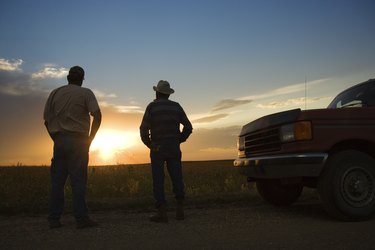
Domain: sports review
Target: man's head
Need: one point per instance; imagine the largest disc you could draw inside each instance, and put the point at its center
(163, 89)
(76, 75)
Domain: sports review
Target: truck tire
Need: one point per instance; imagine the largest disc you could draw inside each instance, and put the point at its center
(347, 185)
(274, 192)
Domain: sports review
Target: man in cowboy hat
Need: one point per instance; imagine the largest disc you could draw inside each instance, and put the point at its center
(160, 131)
(67, 118)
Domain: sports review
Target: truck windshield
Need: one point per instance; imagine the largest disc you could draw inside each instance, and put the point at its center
(362, 95)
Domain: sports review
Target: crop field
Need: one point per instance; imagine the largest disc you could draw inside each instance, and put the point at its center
(25, 189)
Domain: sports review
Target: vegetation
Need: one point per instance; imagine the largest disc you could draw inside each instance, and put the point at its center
(25, 189)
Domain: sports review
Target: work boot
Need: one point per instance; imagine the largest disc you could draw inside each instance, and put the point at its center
(54, 224)
(161, 215)
(86, 222)
(180, 210)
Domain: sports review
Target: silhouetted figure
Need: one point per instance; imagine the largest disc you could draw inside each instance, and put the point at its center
(67, 119)
(160, 131)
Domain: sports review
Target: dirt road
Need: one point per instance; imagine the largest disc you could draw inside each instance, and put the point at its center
(232, 226)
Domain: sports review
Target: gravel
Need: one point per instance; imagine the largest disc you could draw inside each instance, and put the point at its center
(304, 225)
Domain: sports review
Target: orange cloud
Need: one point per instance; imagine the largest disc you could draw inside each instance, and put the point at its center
(209, 119)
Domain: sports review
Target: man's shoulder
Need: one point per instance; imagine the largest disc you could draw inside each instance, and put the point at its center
(163, 103)
(72, 88)
(86, 90)
(58, 88)
(173, 103)
(76, 91)
(88, 93)
(164, 106)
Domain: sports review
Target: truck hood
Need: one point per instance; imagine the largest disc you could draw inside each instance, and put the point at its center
(271, 121)
(322, 116)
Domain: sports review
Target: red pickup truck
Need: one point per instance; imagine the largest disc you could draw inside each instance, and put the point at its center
(330, 149)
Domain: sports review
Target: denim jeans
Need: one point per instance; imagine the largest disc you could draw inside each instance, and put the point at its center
(167, 151)
(70, 159)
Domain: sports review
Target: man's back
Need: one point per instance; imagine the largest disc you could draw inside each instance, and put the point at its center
(165, 119)
(68, 108)
(162, 120)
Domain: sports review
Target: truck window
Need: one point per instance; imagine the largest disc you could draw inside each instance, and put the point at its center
(360, 96)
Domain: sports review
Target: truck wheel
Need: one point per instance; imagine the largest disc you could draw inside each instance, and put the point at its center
(347, 185)
(277, 194)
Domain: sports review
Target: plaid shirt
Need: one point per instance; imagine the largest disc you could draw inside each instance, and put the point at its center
(162, 120)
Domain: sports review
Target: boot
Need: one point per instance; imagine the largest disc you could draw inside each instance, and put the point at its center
(86, 222)
(180, 210)
(161, 215)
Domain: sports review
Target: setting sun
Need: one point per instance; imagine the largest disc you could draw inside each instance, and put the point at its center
(110, 142)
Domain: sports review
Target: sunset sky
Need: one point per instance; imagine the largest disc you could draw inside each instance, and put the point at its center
(229, 62)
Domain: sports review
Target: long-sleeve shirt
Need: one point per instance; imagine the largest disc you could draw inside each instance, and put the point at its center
(162, 120)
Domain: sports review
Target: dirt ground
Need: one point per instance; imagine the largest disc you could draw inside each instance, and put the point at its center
(305, 225)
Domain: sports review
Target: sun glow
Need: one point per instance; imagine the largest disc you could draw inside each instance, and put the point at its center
(108, 143)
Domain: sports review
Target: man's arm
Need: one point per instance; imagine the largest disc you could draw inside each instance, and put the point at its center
(145, 128)
(95, 125)
(50, 134)
(145, 134)
(187, 129)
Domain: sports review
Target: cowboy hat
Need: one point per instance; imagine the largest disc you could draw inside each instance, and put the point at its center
(164, 87)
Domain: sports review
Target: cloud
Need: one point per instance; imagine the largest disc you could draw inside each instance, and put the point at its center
(17, 90)
(229, 103)
(129, 109)
(114, 119)
(8, 65)
(293, 88)
(209, 119)
(212, 143)
(16, 83)
(215, 137)
(220, 151)
(291, 102)
(125, 109)
(101, 95)
(50, 72)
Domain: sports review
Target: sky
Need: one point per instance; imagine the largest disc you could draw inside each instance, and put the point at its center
(229, 62)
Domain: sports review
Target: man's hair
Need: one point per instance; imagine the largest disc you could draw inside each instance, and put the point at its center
(76, 75)
(161, 95)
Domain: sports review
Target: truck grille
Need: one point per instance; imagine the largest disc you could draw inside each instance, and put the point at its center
(267, 140)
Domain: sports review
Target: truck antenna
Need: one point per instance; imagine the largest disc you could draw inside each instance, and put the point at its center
(305, 92)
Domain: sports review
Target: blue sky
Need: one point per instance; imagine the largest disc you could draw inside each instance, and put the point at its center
(229, 61)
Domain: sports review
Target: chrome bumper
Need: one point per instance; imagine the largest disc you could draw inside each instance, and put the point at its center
(282, 166)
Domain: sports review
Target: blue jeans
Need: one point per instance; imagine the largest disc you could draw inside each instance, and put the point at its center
(70, 159)
(167, 151)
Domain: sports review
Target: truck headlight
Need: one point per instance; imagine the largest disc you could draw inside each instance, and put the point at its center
(298, 131)
(241, 143)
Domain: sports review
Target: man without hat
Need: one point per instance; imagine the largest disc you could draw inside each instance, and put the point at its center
(160, 131)
(67, 119)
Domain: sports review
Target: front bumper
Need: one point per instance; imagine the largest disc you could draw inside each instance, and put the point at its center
(282, 166)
